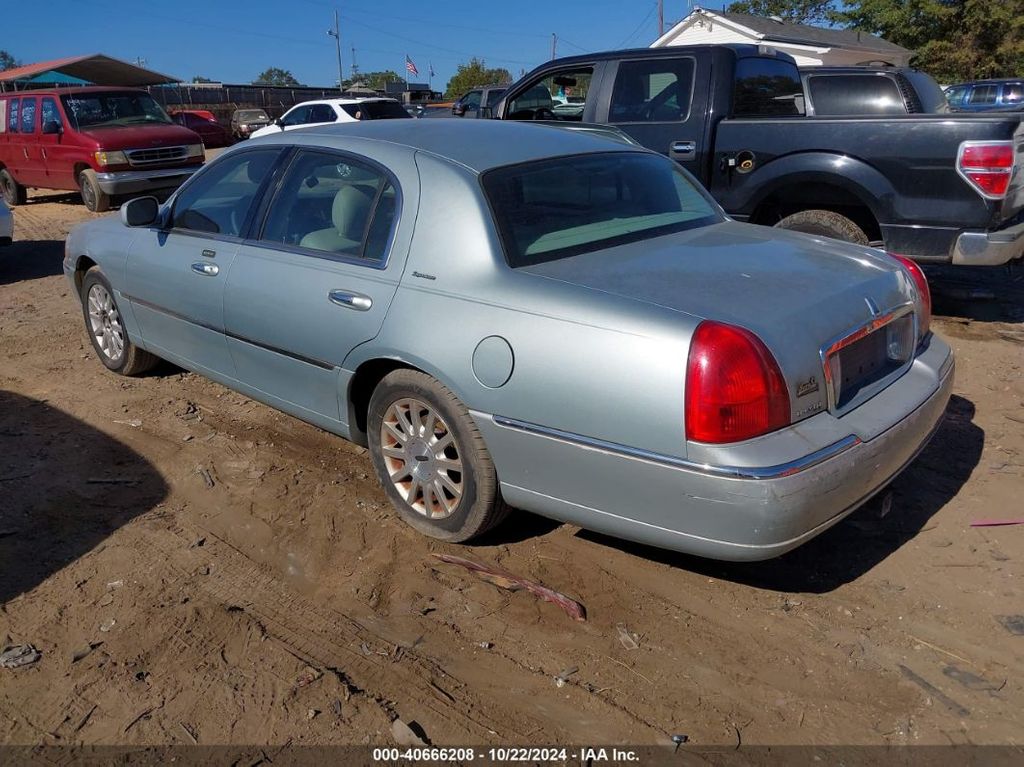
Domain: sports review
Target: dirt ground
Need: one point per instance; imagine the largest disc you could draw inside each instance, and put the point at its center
(196, 567)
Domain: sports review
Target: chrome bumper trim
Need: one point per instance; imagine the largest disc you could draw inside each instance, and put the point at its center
(731, 472)
(989, 248)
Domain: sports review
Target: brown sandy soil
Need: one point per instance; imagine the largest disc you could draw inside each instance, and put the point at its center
(288, 604)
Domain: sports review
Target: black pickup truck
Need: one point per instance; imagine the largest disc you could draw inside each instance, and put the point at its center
(943, 188)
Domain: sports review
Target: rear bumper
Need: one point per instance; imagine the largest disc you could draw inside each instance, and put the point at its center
(989, 248)
(135, 181)
(747, 511)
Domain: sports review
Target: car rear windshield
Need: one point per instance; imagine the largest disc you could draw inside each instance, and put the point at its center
(376, 110)
(102, 110)
(551, 209)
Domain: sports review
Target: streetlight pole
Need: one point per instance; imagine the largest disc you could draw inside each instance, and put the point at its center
(336, 34)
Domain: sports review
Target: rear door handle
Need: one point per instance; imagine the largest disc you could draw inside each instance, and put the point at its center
(207, 270)
(684, 149)
(350, 300)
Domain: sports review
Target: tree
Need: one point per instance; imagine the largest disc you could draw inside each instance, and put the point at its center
(474, 74)
(953, 39)
(374, 80)
(200, 79)
(275, 76)
(796, 11)
(7, 61)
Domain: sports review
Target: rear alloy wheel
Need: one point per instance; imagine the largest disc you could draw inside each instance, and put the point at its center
(94, 198)
(431, 459)
(106, 329)
(825, 223)
(12, 192)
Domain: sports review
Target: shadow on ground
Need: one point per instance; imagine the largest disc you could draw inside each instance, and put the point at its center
(64, 488)
(31, 260)
(865, 538)
(978, 293)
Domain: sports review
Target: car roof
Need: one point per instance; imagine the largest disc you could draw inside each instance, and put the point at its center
(990, 81)
(478, 145)
(75, 91)
(340, 102)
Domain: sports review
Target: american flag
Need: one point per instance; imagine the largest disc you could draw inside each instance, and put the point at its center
(410, 67)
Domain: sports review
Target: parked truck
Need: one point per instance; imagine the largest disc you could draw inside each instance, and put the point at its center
(943, 188)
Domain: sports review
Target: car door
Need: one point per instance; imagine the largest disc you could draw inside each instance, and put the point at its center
(176, 272)
(653, 101)
(57, 165)
(316, 281)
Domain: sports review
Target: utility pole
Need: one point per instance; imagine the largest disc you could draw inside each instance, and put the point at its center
(661, 17)
(336, 34)
(554, 45)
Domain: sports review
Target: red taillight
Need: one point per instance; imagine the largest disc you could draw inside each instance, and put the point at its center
(987, 165)
(734, 388)
(924, 294)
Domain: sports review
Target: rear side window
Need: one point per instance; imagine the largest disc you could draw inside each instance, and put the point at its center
(766, 87)
(219, 199)
(558, 208)
(1013, 93)
(322, 113)
(330, 204)
(298, 116)
(983, 95)
(652, 91)
(855, 95)
(494, 96)
(28, 115)
(12, 116)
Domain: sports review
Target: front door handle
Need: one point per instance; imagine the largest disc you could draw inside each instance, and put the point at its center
(684, 149)
(350, 300)
(207, 270)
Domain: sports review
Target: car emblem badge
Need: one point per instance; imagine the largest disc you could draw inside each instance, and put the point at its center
(872, 306)
(807, 387)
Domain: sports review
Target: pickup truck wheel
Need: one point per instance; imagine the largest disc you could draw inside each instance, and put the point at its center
(826, 223)
(431, 459)
(106, 330)
(95, 199)
(12, 192)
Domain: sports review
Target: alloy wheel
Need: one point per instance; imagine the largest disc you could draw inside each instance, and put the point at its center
(105, 323)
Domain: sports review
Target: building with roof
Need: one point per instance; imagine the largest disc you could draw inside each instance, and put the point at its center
(810, 46)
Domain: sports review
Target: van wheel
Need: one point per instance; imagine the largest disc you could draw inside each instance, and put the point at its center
(95, 199)
(12, 192)
(825, 223)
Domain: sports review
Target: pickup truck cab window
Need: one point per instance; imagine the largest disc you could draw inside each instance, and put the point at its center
(766, 87)
(330, 204)
(855, 95)
(218, 201)
(556, 96)
(658, 90)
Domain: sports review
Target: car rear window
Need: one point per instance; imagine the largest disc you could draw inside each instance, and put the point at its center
(846, 94)
(551, 209)
(376, 110)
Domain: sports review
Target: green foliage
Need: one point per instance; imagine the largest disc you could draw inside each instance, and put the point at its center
(796, 11)
(7, 61)
(200, 79)
(375, 80)
(276, 76)
(473, 75)
(953, 39)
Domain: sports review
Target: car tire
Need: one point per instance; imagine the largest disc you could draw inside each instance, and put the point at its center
(825, 223)
(94, 198)
(453, 494)
(12, 192)
(106, 329)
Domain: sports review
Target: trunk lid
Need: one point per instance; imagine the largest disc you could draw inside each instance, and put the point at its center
(797, 292)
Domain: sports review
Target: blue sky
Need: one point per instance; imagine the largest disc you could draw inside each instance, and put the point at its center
(235, 41)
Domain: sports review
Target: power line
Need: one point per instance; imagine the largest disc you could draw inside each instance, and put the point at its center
(640, 26)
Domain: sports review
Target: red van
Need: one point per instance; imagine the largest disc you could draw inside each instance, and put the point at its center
(104, 142)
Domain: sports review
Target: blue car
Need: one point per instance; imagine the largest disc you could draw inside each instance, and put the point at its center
(516, 316)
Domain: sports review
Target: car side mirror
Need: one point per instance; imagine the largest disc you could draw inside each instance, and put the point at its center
(52, 127)
(458, 109)
(142, 211)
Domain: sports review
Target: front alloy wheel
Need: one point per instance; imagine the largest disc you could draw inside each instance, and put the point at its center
(105, 324)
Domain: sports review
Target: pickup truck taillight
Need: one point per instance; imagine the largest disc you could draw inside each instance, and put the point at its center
(924, 294)
(734, 387)
(987, 166)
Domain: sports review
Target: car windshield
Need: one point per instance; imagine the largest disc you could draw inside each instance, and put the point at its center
(551, 209)
(104, 110)
(253, 114)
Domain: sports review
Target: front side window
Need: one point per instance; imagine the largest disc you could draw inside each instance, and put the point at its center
(28, 115)
(219, 199)
(558, 96)
(766, 88)
(111, 110)
(51, 114)
(556, 208)
(855, 95)
(298, 116)
(955, 96)
(983, 95)
(652, 91)
(494, 96)
(333, 205)
(472, 100)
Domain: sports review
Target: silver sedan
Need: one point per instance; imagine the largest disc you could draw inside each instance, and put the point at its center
(517, 316)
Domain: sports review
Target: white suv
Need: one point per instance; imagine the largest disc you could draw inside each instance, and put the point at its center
(334, 111)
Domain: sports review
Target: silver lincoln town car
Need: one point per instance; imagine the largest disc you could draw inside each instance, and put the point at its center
(522, 316)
